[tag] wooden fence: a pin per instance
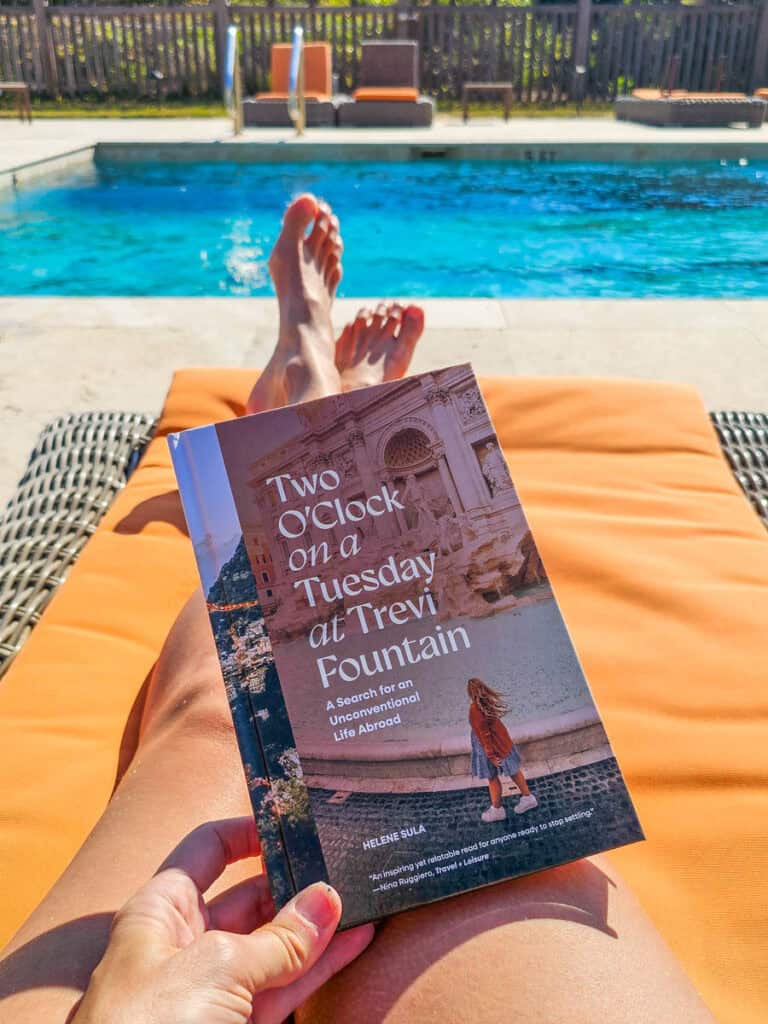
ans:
(550, 52)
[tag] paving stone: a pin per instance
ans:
(452, 822)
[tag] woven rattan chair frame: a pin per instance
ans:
(743, 437)
(75, 470)
(80, 462)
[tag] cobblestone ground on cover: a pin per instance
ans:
(452, 821)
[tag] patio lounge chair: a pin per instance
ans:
(690, 109)
(388, 90)
(270, 109)
(658, 561)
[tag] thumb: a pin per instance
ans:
(283, 950)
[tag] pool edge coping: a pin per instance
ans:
(396, 151)
(387, 150)
(21, 174)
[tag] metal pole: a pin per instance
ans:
(220, 28)
(301, 120)
(581, 49)
(237, 92)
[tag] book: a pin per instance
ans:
(411, 712)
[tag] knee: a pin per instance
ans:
(409, 972)
(191, 699)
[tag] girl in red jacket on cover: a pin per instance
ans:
(493, 750)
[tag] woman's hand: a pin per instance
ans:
(173, 958)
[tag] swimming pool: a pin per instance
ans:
(447, 228)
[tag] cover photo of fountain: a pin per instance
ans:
(426, 710)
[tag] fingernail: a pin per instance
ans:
(318, 905)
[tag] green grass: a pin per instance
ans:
(64, 108)
(115, 108)
(493, 109)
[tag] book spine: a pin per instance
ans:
(228, 635)
(260, 789)
(292, 797)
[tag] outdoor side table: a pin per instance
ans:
(23, 101)
(503, 88)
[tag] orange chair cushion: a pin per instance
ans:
(661, 568)
(381, 94)
(663, 94)
(762, 94)
(648, 94)
(317, 68)
(286, 96)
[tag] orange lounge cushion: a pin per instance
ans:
(661, 568)
(317, 68)
(286, 96)
(657, 94)
(388, 94)
(673, 94)
(715, 95)
(762, 94)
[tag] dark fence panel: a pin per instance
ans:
(695, 48)
(20, 47)
(170, 51)
(531, 47)
(134, 51)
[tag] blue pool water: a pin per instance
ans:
(422, 229)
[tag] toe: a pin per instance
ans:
(333, 280)
(330, 263)
(344, 348)
(380, 314)
(320, 230)
(395, 316)
(354, 344)
(299, 215)
(411, 328)
(332, 247)
(391, 324)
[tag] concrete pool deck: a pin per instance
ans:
(519, 138)
(76, 354)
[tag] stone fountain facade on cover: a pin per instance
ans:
(430, 441)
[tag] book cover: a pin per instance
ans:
(424, 724)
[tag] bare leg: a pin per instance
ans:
(494, 788)
(522, 785)
(306, 270)
(185, 767)
(565, 946)
(186, 770)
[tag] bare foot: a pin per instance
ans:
(306, 270)
(378, 346)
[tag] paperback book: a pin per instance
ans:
(411, 712)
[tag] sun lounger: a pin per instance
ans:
(270, 109)
(690, 109)
(76, 469)
(660, 566)
(388, 88)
